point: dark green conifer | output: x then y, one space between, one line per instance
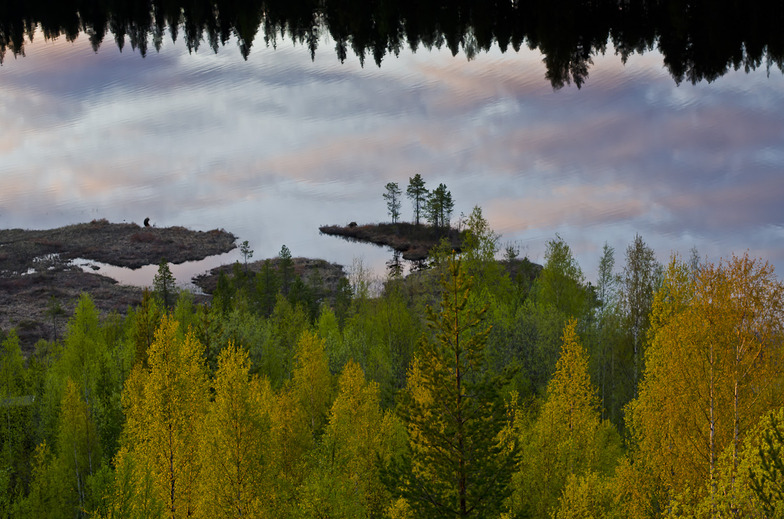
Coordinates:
164 285
452 406
267 287
417 192
286 269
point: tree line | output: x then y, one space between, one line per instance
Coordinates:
569 36
476 388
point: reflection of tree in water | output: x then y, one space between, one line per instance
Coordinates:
417 265
699 39
395 265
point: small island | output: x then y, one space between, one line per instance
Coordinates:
309 270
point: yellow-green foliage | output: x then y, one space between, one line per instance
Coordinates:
345 481
165 407
234 440
713 369
567 440
243 410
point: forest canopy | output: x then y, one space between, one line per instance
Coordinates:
477 387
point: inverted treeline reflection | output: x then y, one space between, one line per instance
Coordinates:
700 40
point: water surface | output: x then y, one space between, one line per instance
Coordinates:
273 147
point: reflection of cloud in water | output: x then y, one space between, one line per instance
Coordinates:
272 148
577 206
143 277
734 207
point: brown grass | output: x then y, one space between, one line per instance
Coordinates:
414 241
24 297
142 237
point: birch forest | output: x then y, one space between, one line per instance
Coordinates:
482 386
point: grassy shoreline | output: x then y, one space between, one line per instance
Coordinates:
35 268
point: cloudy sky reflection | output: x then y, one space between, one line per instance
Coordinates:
274 147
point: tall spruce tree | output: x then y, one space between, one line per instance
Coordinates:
267 286
285 269
164 285
452 407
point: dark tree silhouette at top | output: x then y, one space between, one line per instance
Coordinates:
700 40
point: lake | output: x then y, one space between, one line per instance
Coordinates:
291 138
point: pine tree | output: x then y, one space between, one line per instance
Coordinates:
392 196
447 207
247 253
286 269
417 193
439 207
267 287
453 411
54 310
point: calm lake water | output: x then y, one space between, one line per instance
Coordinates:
273 147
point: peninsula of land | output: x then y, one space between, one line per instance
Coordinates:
36 268
413 241
119 244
